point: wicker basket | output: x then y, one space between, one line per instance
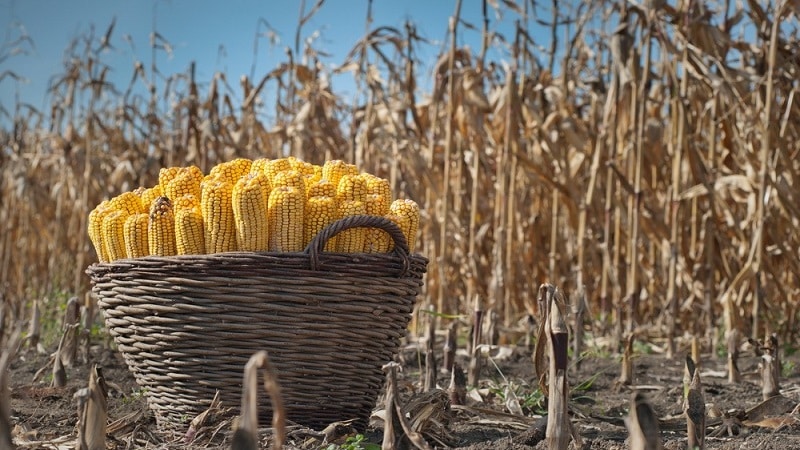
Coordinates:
187 325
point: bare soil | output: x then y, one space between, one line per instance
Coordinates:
45 417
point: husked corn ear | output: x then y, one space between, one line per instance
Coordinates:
161 228
351 188
334 169
186 201
305 168
250 198
114 232
165 175
379 241
285 219
187 181
232 170
260 165
378 185
189 236
95 229
322 188
291 178
136 244
127 202
275 167
352 240
409 210
376 240
149 195
377 205
217 207
320 212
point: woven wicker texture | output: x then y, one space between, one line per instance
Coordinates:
186 325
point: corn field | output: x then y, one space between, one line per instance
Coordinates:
646 159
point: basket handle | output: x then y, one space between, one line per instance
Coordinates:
317 244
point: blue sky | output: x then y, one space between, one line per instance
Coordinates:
218 35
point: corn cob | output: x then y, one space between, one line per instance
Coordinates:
334 169
379 186
232 170
260 165
161 228
149 195
136 243
128 202
351 188
322 188
165 175
186 201
114 233
250 198
375 239
189 236
304 167
285 219
275 167
217 209
409 210
187 181
352 240
95 229
319 213
380 241
291 178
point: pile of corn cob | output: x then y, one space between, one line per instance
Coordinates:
257 205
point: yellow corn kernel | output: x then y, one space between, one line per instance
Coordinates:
187 181
305 168
136 244
138 191
250 198
127 202
290 178
186 201
161 228
217 207
334 169
275 167
165 175
95 229
232 170
322 188
189 236
379 241
149 195
378 185
376 240
408 209
377 205
260 165
352 240
114 233
319 213
351 188
285 219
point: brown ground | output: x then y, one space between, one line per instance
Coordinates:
45 417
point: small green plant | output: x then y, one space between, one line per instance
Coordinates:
357 442
787 368
586 384
530 399
136 395
642 348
